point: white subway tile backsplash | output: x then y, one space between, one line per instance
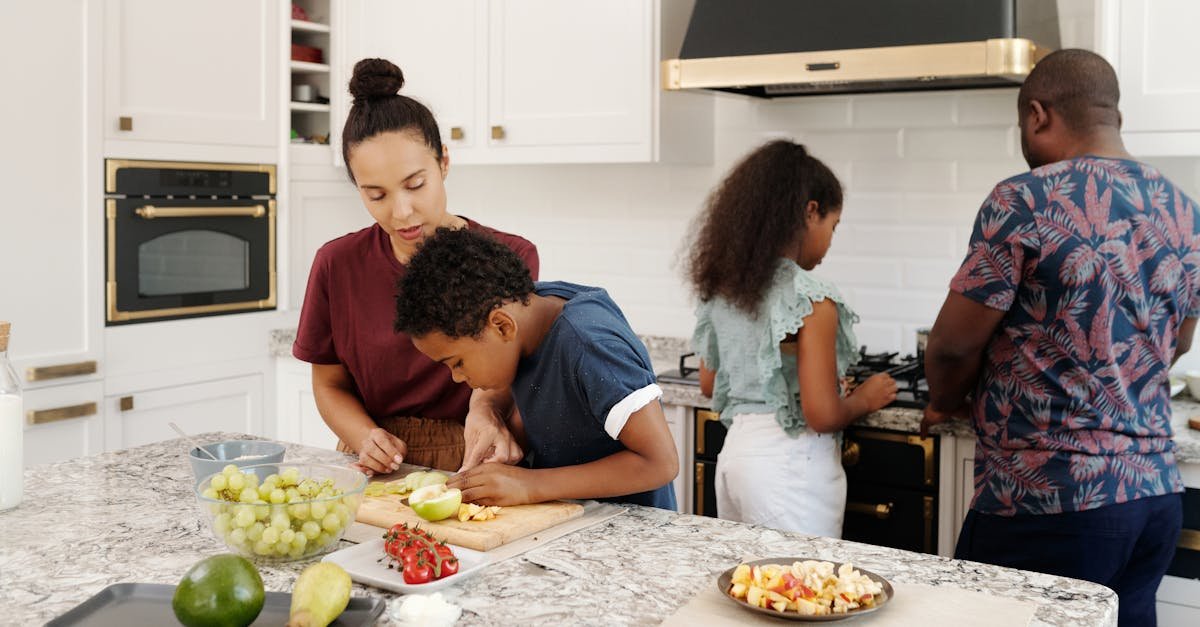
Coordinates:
807 112
983 174
988 107
867 272
902 175
915 167
903 110
929 274
878 336
901 306
850 145
897 241
957 143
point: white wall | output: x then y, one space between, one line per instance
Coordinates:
915 166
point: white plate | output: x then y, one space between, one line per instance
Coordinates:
1177 386
364 564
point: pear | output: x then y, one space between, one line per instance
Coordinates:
320 595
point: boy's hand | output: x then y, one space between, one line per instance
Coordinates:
494 484
486 439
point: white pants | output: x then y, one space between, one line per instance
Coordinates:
766 478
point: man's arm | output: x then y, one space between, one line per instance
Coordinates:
955 352
1183 341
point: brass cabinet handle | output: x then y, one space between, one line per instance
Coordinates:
698 506
456 132
497 132
851 453
43 416
150 212
882 511
1189 539
125 403
125 123
45 373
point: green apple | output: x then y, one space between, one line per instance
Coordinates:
435 502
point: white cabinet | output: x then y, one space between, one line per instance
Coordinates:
63 422
539 81
234 405
1151 45
192 73
296 410
678 421
52 243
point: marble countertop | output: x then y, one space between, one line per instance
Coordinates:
130 516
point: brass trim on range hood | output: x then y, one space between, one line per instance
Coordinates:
799 72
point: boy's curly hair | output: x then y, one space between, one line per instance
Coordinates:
456 278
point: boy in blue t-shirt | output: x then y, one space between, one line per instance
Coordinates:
587 407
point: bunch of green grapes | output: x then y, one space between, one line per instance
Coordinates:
284 516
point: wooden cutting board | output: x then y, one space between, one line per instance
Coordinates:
510 524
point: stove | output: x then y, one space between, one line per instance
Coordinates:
908 371
912 392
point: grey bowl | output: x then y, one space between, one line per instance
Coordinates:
237 452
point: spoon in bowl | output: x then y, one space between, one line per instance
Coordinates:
191 441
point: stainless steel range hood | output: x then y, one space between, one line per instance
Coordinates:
770 48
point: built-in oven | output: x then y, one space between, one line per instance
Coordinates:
188 239
891 483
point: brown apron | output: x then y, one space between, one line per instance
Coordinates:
433 443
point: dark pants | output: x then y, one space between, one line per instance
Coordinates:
1126 547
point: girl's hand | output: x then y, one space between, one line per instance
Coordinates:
380 452
876 392
494 484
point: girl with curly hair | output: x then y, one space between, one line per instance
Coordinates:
385 401
775 340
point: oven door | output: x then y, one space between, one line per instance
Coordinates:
176 258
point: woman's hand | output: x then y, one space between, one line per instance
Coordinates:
876 392
495 484
380 452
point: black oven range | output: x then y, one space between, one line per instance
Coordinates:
188 239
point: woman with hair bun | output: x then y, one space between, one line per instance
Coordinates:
384 399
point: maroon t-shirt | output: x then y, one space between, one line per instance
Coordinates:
348 316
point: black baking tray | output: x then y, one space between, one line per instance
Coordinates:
127 604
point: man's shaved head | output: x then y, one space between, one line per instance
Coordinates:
1077 84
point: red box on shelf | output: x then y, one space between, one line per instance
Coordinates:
311 54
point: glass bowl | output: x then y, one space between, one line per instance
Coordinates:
304 513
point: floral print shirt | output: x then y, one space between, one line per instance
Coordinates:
1096 263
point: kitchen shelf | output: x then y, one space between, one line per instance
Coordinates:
304 67
309 27
316 107
310 154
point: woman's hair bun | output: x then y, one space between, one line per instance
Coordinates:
375 78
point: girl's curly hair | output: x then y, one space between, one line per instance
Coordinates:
456 278
753 218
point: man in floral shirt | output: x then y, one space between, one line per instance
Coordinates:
1079 291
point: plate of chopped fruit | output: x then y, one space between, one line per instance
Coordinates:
805 589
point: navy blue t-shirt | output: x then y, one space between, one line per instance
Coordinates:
578 389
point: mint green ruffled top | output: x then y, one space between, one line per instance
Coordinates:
753 374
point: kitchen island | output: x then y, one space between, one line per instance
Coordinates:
131 516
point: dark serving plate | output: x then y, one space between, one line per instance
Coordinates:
126 604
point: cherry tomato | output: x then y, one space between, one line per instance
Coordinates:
418 571
443 549
449 566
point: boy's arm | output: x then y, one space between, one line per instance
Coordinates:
649 462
